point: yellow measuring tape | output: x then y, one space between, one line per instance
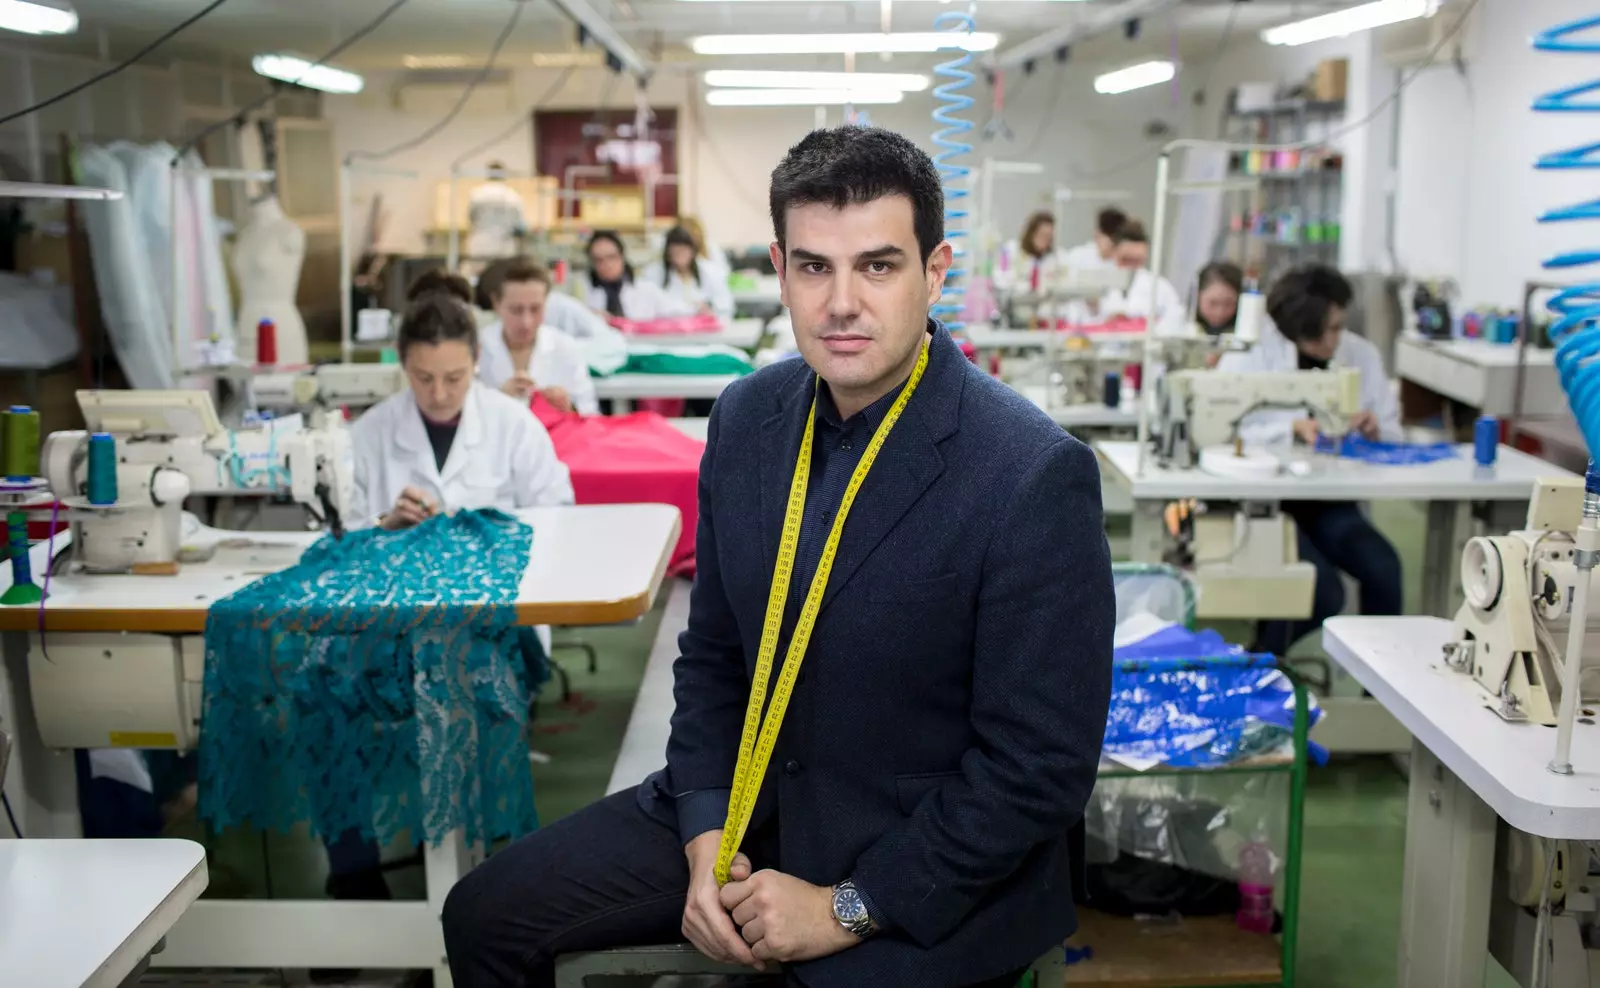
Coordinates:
761 735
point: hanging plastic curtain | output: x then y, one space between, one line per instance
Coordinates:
379 685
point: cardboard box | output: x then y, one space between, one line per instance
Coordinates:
1329 81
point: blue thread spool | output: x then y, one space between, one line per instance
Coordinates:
1486 440
102 469
22 590
1113 389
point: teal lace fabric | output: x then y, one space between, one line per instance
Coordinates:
378 685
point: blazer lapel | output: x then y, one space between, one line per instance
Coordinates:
907 465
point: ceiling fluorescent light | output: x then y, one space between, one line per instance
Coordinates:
434 61
840 44
38 17
1135 77
300 72
910 82
801 97
1348 21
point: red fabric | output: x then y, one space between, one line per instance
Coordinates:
671 325
39 522
1110 327
630 459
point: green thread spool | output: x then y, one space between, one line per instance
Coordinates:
19 442
22 590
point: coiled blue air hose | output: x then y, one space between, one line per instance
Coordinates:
948 138
1575 332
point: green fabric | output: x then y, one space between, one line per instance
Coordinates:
710 359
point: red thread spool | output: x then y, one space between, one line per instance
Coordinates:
266 343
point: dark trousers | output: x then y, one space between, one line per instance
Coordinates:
1335 536
607 876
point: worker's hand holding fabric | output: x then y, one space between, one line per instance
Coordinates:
519 386
558 399
706 924
1306 431
784 918
1365 423
412 508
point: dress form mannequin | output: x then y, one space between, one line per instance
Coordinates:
266 260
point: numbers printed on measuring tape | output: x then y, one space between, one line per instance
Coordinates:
760 735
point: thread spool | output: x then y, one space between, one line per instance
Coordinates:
22 589
1111 393
20 429
1486 440
266 343
1247 318
102 469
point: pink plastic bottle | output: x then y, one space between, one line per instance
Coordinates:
1255 888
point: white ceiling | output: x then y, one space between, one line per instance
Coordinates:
468 27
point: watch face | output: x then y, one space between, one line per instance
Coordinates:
847 906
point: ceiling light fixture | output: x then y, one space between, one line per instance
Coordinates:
910 82
38 16
300 72
801 97
1135 77
434 61
840 44
1349 21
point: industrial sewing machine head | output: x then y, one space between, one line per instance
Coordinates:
126 508
1511 631
326 389
1200 410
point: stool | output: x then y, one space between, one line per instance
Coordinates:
675 958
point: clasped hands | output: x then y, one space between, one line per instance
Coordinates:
1364 423
759 916
522 387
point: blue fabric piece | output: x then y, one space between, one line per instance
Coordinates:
1227 705
1387 454
379 685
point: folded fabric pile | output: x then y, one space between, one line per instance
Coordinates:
376 685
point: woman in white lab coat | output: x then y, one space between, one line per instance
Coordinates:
1026 264
522 355
615 291
1097 250
690 281
1307 308
448 441
445 442
1217 291
1132 254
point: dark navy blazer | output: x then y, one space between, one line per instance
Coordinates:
945 730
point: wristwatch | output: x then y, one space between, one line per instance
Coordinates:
851 911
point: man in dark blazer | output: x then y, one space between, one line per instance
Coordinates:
945 725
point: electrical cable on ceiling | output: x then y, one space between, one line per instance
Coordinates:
523 120
120 66
274 88
466 94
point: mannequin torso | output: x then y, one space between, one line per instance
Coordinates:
266 260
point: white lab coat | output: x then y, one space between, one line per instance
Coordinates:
1170 316
712 288
641 300
1273 352
557 361
1014 268
1085 257
501 458
604 347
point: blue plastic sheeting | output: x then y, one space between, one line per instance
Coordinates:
1188 699
377 685
1387 454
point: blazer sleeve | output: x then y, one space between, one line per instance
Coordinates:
710 685
1041 680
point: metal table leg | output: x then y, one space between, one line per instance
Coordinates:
1449 528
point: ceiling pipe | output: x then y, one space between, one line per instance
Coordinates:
1099 20
601 31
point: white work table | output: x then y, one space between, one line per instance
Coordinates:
1482 374
741 334
86 913
591 564
986 337
623 389
1088 415
1468 766
596 564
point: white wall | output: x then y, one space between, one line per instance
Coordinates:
1468 191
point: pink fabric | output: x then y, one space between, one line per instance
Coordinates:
669 326
630 459
1110 327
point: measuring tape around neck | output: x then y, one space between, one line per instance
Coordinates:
761 734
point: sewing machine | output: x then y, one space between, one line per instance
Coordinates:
170 445
1511 632
326 388
1202 410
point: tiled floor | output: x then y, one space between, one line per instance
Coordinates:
1355 810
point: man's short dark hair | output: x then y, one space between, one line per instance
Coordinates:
1109 220
1300 300
1130 232
520 270
846 166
